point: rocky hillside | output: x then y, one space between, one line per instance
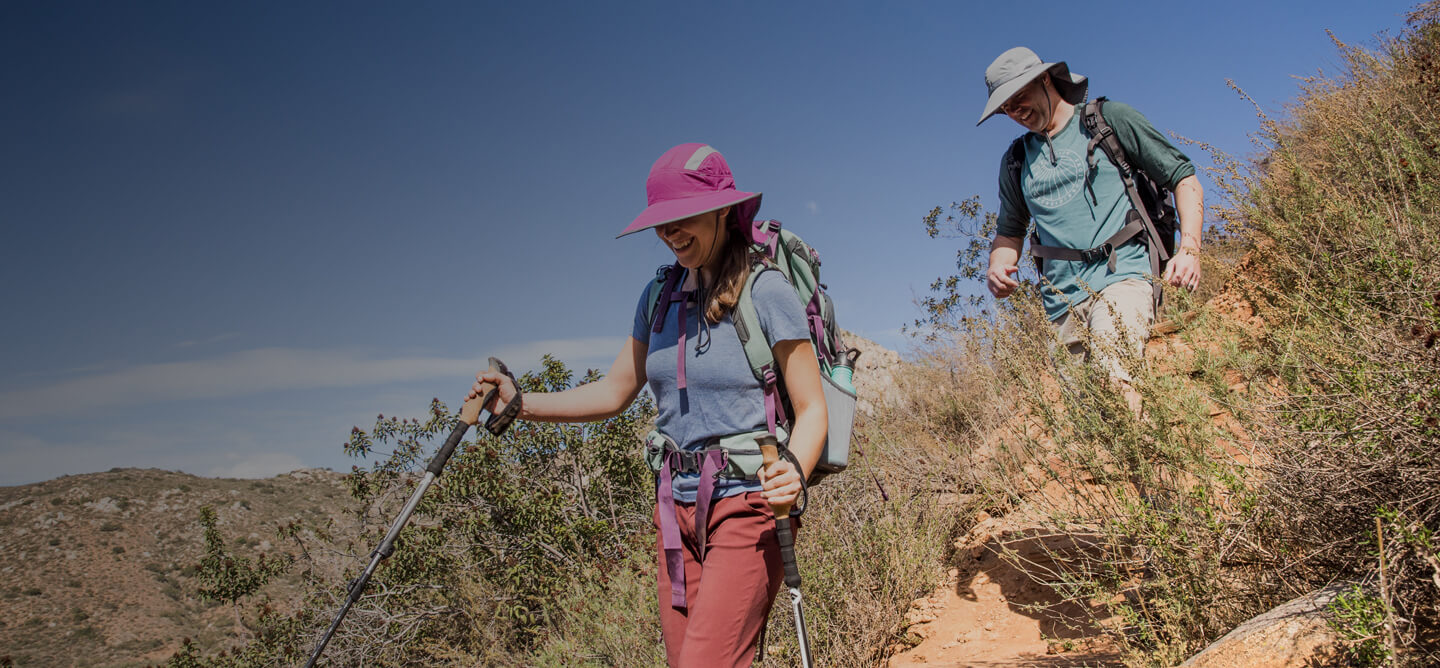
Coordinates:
875 373
99 569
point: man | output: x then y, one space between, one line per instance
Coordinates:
1102 304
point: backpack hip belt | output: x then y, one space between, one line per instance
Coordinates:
739 455
734 457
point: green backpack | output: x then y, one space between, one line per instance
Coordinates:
783 251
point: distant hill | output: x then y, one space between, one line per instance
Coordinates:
98 569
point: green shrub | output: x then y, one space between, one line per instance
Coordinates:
1328 238
1346 213
1360 618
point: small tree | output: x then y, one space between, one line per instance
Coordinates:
225 576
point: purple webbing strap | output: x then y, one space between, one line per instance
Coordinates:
709 469
680 341
766 233
774 411
666 296
770 411
670 535
759 232
817 328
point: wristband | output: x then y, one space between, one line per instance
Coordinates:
499 422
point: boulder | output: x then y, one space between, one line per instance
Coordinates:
1294 634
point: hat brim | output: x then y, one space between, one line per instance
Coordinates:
669 211
1072 87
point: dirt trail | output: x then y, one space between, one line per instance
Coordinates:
991 613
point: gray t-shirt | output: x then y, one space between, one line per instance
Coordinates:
1056 196
722 397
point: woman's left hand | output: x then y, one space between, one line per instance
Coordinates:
780 483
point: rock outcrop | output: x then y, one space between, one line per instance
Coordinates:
1292 635
874 373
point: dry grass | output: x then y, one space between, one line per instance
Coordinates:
1265 454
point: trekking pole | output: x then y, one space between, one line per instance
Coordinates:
469 416
786 536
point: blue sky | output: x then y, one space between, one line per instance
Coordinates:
232 232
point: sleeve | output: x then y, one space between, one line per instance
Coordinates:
640 330
1150 150
1014 214
782 316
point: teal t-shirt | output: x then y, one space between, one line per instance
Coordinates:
1069 214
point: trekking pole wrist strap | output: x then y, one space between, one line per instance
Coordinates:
497 423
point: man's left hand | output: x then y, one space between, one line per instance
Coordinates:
1183 270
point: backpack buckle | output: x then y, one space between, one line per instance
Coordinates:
724 464
1096 254
686 461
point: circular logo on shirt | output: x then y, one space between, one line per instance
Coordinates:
1052 186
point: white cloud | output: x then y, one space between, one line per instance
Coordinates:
259 371
812 206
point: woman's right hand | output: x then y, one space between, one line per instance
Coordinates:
505 395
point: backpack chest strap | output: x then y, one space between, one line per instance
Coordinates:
1134 226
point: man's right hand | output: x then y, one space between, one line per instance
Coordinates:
1000 279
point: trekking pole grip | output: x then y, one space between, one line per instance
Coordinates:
784 530
770 455
469 415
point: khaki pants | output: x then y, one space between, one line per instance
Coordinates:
1111 325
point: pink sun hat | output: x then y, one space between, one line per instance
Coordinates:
688 180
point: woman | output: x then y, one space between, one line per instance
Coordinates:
718 576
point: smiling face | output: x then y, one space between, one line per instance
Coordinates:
697 240
1033 105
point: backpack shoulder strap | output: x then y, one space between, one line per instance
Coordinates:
1014 165
746 317
757 349
1103 136
662 289
1015 161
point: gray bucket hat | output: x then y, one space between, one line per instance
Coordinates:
1019 66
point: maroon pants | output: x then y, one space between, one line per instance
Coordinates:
728 589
